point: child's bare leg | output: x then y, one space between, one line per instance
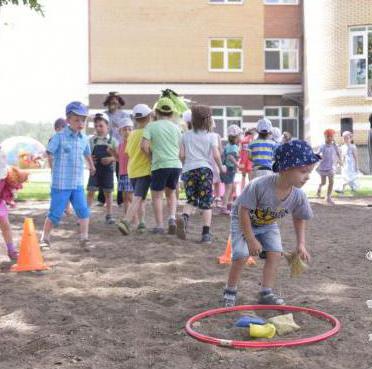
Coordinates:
48 226
227 194
217 189
142 210
171 202
8 238
235 271
242 185
323 180
84 228
330 189
90 198
108 202
270 269
207 217
157 203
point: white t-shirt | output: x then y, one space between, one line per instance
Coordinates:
198 149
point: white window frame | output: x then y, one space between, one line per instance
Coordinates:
226 119
280 116
226 2
281 3
225 51
281 70
363 33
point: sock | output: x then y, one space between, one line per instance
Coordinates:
186 217
265 291
206 230
10 247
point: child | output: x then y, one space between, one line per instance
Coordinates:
198 146
327 166
286 137
349 160
216 172
261 150
245 164
253 221
68 149
124 185
230 160
139 172
103 148
4 219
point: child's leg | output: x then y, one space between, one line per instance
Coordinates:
90 197
323 180
270 269
330 188
108 201
235 271
242 186
171 202
227 194
157 203
82 211
7 235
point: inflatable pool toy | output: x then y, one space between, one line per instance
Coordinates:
247 320
262 331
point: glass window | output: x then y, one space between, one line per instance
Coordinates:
283 2
285 118
225 116
281 55
226 1
226 55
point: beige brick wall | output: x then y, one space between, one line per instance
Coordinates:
167 41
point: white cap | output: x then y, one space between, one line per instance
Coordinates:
102 115
276 134
187 116
141 111
234 130
125 122
264 126
347 133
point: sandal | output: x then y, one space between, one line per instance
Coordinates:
124 227
229 296
44 245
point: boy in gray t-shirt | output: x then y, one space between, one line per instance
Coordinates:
255 213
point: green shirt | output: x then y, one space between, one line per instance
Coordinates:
164 137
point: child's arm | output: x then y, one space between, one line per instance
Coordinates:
145 147
182 153
355 155
299 226
233 160
254 245
91 167
217 158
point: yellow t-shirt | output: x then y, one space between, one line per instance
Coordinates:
139 165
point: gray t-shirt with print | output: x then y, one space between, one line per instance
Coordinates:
265 207
198 149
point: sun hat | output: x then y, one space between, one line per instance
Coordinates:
77 108
264 126
60 123
347 133
165 105
234 130
294 154
101 116
125 122
276 134
329 132
141 111
187 116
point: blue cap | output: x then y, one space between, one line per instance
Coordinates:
294 154
77 108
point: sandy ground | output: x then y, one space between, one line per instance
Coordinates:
125 304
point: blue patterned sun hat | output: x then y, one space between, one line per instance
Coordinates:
294 154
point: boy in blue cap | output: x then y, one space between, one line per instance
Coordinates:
255 213
68 148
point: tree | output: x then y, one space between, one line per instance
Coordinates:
33 4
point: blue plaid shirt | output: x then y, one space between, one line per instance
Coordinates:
68 150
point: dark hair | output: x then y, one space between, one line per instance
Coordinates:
113 95
163 113
201 118
263 135
98 119
232 139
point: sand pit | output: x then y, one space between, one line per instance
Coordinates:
125 304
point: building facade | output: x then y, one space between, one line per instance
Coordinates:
338 64
242 57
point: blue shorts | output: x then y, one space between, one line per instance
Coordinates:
165 178
141 186
267 235
228 177
59 199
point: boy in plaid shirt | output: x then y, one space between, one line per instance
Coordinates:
68 149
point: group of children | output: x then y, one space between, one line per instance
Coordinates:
152 153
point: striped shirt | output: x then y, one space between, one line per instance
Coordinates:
262 152
68 150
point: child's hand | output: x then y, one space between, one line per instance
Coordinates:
303 254
110 151
94 158
92 171
254 247
107 161
223 169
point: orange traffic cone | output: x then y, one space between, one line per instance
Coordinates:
30 257
225 258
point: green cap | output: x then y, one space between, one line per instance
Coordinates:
165 105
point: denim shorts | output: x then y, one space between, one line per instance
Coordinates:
141 186
267 235
103 179
59 199
228 177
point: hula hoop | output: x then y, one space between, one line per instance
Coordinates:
263 344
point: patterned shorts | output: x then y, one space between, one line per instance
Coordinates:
199 187
125 184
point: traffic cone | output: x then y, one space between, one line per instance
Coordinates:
225 258
29 258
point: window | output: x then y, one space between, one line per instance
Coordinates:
281 55
360 56
226 1
284 117
225 55
225 116
281 2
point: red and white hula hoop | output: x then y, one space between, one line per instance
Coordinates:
263 344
